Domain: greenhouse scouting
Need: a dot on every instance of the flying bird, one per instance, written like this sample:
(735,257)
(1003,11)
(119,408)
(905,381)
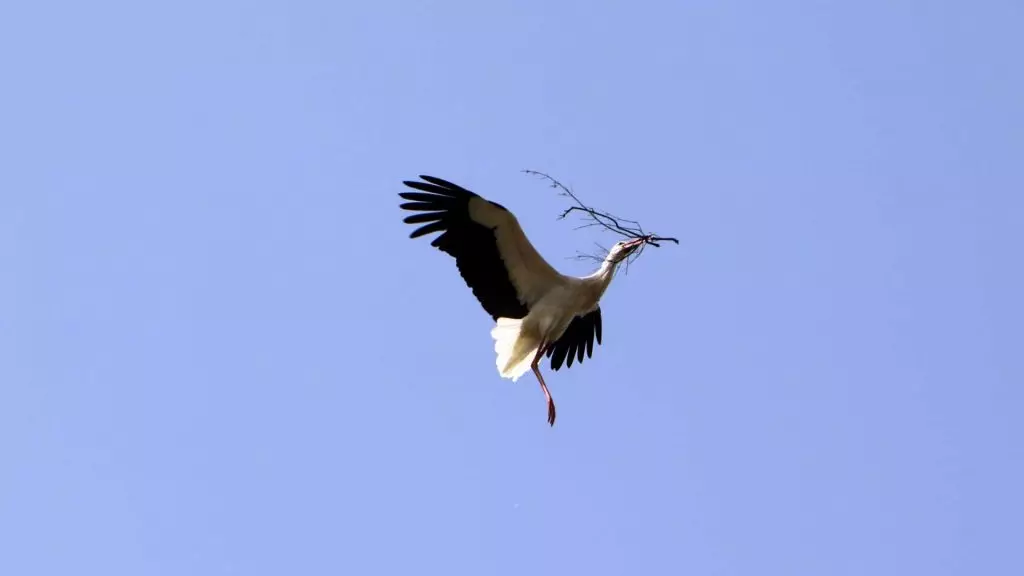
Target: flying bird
(537,310)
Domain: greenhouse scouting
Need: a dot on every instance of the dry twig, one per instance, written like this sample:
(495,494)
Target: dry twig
(621,226)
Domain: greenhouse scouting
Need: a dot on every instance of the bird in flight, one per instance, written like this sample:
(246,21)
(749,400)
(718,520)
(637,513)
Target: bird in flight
(537,310)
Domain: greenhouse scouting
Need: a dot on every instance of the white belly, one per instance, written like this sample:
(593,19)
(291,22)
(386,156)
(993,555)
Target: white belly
(553,314)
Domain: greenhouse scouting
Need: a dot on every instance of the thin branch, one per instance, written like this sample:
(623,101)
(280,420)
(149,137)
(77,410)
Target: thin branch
(584,256)
(621,226)
(599,217)
(588,225)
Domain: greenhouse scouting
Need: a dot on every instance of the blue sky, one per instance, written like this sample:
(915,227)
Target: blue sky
(221,354)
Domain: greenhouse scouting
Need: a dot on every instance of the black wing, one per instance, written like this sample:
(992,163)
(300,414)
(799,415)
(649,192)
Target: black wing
(577,339)
(445,208)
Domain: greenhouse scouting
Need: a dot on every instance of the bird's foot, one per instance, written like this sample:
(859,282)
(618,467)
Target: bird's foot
(551,412)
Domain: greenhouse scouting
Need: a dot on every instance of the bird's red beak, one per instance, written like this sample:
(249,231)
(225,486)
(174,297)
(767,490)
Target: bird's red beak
(632,244)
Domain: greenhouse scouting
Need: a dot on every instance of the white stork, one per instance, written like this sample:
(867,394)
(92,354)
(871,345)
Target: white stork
(536,309)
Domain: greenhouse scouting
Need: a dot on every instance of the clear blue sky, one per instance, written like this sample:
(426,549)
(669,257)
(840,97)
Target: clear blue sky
(221,354)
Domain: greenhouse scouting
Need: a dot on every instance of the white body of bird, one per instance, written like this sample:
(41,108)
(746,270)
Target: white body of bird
(516,340)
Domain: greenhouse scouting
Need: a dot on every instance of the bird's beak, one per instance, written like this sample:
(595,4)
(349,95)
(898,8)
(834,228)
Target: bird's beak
(634,244)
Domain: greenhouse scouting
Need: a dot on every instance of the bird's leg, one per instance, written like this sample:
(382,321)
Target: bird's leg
(543,386)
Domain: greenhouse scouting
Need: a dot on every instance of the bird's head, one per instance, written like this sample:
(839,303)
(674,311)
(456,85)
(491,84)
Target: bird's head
(623,248)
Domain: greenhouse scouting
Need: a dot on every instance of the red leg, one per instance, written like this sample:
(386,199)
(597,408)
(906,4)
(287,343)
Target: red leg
(543,386)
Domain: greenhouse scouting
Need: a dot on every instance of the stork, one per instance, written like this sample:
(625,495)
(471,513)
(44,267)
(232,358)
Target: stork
(537,310)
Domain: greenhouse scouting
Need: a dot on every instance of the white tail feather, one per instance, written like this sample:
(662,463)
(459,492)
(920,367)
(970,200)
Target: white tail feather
(514,348)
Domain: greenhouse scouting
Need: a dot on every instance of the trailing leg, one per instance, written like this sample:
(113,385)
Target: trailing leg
(544,387)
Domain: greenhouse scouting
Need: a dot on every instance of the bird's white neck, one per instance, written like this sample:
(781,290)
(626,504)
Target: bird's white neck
(602,277)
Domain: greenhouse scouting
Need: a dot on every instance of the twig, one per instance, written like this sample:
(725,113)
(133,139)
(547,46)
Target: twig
(615,224)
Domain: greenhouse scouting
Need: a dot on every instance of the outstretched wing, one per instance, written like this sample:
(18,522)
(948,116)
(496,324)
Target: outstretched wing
(577,339)
(493,255)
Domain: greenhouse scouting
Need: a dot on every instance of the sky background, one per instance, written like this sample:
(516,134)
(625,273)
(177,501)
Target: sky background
(221,354)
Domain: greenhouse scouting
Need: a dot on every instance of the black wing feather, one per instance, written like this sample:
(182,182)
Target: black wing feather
(416,206)
(424,217)
(445,208)
(577,341)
